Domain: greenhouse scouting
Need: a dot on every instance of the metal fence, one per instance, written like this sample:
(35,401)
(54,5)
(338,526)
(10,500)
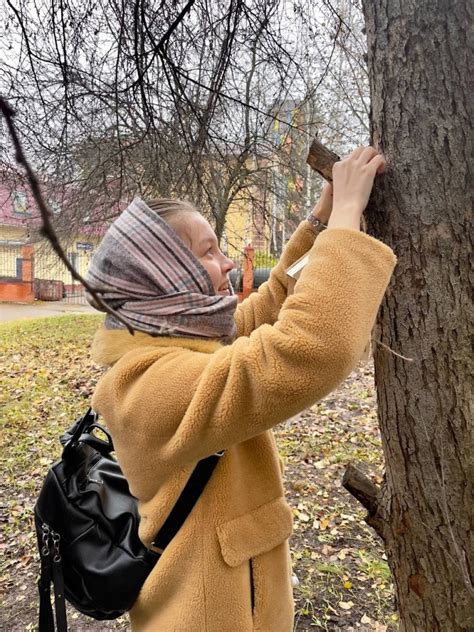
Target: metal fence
(51,279)
(54,282)
(11,262)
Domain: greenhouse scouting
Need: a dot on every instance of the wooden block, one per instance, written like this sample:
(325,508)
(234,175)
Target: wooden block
(321,159)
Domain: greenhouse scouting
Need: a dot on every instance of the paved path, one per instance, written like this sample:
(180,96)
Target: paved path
(17,311)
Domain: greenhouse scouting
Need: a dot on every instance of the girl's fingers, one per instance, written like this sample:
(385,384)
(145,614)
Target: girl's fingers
(378,164)
(367,154)
(356,153)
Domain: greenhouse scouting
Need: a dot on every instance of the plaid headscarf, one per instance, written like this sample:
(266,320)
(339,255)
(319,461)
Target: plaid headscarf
(146,273)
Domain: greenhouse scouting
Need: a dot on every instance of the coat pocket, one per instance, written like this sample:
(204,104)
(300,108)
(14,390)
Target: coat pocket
(256,532)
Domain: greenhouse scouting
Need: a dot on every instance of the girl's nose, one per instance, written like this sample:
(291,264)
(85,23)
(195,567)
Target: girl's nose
(228,264)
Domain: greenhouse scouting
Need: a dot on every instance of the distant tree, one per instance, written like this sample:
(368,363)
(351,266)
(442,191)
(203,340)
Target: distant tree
(119,98)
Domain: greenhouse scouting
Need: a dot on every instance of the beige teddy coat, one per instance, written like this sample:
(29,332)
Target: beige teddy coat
(172,401)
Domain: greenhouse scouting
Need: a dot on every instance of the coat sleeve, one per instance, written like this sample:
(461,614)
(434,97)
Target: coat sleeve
(184,405)
(263,306)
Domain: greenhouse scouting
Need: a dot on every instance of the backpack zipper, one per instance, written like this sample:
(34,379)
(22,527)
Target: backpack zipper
(50,543)
(45,540)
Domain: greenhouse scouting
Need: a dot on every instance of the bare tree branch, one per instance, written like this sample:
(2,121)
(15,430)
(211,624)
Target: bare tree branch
(47,228)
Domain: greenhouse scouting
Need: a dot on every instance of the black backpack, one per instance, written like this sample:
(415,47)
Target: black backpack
(87,527)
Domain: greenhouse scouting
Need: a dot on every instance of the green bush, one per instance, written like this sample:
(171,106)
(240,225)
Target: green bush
(264,260)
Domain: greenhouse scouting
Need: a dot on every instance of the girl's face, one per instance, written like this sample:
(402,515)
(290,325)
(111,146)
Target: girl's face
(198,235)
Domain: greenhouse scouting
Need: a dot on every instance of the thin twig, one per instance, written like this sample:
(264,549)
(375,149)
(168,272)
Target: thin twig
(47,229)
(387,348)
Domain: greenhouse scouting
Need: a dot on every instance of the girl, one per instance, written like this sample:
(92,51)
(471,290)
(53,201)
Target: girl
(203,374)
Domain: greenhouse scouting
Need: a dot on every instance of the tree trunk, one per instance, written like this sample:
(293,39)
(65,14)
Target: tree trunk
(422,208)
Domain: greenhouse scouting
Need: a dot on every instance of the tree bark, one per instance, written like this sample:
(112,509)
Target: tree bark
(421,90)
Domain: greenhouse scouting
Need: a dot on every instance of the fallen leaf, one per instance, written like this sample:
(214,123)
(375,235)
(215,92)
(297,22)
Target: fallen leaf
(342,554)
(326,550)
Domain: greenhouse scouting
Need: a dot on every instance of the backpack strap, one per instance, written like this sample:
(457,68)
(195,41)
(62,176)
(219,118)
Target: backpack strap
(58,585)
(46,620)
(51,572)
(186,501)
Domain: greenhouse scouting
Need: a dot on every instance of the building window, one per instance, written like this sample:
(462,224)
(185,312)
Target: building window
(20,202)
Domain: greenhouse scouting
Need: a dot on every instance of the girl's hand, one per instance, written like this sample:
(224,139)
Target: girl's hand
(353,179)
(323,208)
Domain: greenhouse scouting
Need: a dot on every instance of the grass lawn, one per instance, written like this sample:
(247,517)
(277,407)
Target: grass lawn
(46,382)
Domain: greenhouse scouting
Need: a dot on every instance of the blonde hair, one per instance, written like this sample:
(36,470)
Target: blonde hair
(171,211)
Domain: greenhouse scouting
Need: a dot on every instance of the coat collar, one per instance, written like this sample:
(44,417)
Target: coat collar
(109,345)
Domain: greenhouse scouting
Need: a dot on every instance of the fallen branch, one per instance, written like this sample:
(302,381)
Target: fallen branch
(47,229)
(364,490)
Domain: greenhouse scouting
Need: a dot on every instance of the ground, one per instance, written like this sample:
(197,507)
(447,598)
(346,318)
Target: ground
(20,311)
(46,382)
